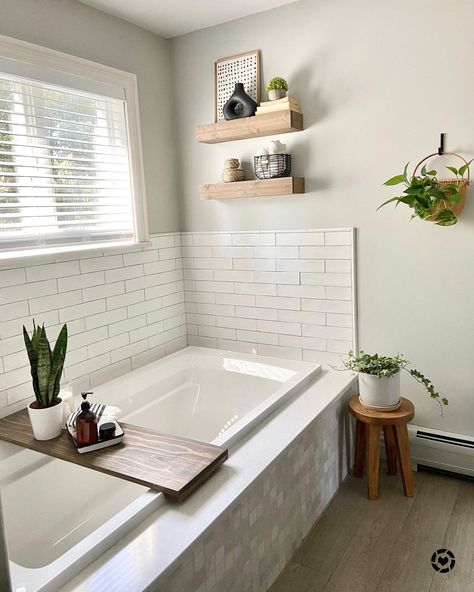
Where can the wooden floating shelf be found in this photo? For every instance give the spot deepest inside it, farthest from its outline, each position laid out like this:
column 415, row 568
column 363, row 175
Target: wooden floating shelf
column 170, row 464
column 256, row 188
column 265, row 124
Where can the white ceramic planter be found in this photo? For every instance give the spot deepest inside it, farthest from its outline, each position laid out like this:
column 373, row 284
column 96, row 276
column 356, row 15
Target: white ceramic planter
column 46, row 423
column 379, row 394
column 276, row 93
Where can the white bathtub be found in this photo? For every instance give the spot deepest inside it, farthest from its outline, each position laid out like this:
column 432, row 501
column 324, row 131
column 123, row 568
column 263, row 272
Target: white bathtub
column 59, row 517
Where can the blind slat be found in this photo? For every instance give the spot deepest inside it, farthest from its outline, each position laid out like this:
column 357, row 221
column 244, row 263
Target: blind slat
column 17, row 154
column 63, row 177
column 119, row 214
column 58, row 130
column 63, row 223
column 97, row 205
column 64, row 195
column 56, row 148
column 56, row 139
column 17, row 165
column 55, row 119
column 96, row 115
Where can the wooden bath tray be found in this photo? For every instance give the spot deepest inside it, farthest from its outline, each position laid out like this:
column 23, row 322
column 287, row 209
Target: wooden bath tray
column 173, row 465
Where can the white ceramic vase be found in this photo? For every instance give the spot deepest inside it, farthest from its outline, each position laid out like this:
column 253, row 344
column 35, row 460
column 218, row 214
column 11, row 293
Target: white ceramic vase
column 379, row 394
column 276, row 93
column 46, row 423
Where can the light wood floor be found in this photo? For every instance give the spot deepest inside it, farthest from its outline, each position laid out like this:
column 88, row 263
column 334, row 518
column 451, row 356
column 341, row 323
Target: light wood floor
column 386, row 545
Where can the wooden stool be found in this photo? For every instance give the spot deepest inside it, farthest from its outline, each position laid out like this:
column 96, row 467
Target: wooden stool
column 367, row 441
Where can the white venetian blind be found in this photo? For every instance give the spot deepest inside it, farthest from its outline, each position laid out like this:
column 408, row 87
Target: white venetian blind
column 64, row 167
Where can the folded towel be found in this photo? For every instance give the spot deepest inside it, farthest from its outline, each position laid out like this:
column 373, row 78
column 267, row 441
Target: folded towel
column 102, row 413
column 276, row 147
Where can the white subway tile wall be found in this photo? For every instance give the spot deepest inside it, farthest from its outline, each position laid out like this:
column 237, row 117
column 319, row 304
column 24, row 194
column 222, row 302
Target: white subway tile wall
column 284, row 294
column 288, row 294
column 123, row 310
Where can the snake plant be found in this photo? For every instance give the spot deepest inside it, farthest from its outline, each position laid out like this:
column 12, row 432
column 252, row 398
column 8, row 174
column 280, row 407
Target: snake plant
column 46, row 364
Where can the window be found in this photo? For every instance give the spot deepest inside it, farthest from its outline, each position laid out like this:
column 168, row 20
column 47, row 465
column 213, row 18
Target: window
column 66, row 166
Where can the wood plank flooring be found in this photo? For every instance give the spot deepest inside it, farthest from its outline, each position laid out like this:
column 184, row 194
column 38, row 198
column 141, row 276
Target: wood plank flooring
column 386, row 545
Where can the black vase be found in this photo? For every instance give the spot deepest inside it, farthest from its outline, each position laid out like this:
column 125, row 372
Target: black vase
column 240, row 104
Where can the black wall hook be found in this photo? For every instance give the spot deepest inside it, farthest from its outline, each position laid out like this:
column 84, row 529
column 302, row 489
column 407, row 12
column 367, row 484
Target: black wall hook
column 442, row 140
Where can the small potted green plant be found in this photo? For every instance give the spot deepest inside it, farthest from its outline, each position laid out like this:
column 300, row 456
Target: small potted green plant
column 277, row 88
column 432, row 199
column 46, row 412
column 379, row 380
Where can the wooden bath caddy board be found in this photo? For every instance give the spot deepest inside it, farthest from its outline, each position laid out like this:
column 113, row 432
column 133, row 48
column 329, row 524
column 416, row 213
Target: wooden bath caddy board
column 170, row 464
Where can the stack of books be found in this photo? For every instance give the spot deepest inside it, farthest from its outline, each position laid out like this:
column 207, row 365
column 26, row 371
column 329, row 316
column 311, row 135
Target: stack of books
column 279, row 105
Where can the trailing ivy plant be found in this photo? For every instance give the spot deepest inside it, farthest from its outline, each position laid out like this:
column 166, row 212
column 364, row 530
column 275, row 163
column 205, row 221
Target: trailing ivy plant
column 275, row 83
column 385, row 366
column 428, row 197
column 46, row 363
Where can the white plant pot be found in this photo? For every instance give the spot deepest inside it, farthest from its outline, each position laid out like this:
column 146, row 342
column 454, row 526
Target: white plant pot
column 46, row 423
column 276, row 93
column 379, row 394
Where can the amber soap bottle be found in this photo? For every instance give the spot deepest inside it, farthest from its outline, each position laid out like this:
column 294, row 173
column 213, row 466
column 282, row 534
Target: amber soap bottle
column 86, row 424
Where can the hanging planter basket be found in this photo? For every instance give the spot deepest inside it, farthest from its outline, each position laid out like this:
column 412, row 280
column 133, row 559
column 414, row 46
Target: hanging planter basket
column 460, row 184
column 439, row 201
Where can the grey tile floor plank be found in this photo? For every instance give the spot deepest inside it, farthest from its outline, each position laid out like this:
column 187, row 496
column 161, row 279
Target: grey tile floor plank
column 409, row 568
column 461, row 578
column 460, row 531
column 298, row 578
column 432, row 508
column 386, row 545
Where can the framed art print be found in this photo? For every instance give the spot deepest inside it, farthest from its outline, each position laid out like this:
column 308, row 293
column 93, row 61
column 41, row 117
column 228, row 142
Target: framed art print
column 245, row 68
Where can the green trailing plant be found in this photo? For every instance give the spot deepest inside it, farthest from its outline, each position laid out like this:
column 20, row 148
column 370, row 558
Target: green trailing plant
column 386, row 366
column 428, row 197
column 46, row 364
column 275, row 83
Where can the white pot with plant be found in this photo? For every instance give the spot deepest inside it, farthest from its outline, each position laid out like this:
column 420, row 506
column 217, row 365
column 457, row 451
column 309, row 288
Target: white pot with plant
column 379, row 380
column 46, row 412
column 277, row 88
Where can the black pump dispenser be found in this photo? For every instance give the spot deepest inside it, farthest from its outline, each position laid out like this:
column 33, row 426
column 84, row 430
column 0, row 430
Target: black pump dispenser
column 86, row 423
column 85, row 405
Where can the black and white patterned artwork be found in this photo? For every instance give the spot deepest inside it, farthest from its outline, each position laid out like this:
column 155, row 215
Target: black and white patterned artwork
column 243, row 68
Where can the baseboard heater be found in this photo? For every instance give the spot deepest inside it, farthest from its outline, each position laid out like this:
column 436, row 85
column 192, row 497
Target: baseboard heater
column 441, row 450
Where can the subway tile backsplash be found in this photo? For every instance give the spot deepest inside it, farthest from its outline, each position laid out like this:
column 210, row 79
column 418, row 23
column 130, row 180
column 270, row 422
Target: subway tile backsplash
column 287, row 294
column 115, row 320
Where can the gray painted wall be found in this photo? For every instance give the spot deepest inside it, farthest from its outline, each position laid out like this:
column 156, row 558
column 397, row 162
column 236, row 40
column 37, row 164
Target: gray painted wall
column 377, row 83
column 72, row 27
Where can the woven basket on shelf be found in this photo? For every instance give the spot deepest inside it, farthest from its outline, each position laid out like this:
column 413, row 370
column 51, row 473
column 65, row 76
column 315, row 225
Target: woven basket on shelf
column 272, row 166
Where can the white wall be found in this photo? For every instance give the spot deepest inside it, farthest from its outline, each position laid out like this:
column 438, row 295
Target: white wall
column 377, row 83
column 72, row 27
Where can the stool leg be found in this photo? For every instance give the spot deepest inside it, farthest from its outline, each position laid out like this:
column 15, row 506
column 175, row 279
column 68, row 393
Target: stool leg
column 401, row 434
column 390, row 449
column 359, row 449
column 373, row 455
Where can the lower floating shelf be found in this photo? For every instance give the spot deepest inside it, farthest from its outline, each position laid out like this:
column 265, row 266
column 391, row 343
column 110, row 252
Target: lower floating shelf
column 255, row 188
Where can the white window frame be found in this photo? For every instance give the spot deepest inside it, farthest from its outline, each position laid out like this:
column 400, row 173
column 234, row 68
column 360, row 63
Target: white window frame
column 64, row 67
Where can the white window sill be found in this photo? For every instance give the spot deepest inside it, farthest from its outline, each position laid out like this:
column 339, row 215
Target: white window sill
column 66, row 253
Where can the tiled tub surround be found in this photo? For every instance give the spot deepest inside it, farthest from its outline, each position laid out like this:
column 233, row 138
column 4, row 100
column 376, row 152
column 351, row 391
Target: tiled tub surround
column 239, row 529
column 288, row 294
column 124, row 308
column 198, row 393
